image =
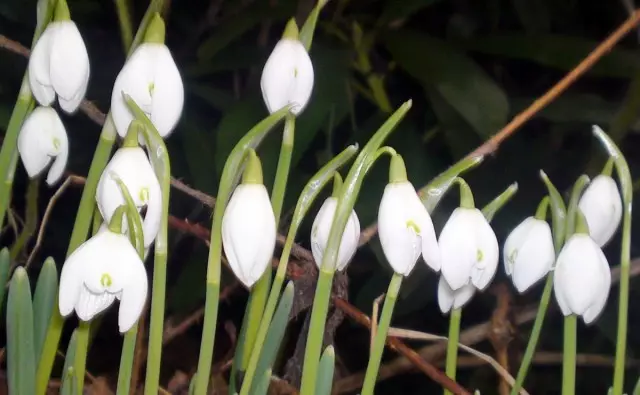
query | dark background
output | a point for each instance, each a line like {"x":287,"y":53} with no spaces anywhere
{"x":469,"y":67}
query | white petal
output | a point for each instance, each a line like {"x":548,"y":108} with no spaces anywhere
{"x":488,"y":253}
{"x":137,"y":80}
{"x":71,"y":282}
{"x":320,"y":234}
{"x":249,"y":232}
{"x":398,"y":227}
{"x":601,"y":295}
{"x":287,"y":77}
{"x":579,"y":273}
{"x":69,"y":63}
{"x":72,"y":104}
{"x":458,"y":248}
{"x":89,"y":304}
{"x":42,"y":138}
{"x":429,"y":241}
{"x":134,"y":297}
{"x":514,"y":241}
{"x":132,"y":166}
{"x":448,"y":298}
{"x":39,"y":77}
{"x":168,"y":92}
{"x":534,"y":257}
{"x":601,"y":205}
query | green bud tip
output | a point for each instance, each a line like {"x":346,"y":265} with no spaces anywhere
{"x":608,"y":168}
{"x":155,"y":31}
{"x":581,"y":223}
{"x":115,"y":225}
{"x":541,"y":211}
{"x":466,"y":196}
{"x":131,"y":139}
{"x":253,"y":170}
{"x":291,"y":31}
{"x":61,"y":12}
{"x":397,"y":169}
{"x":337,"y":185}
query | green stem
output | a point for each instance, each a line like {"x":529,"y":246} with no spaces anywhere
{"x":569,"y":355}
{"x":126,"y":27}
{"x":9,"y":151}
{"x":316,"y":331}
{"x":452,"y":345}
{"x":381,"y":334}
{"x":126,"y":361}
{"x":284,"y":164}
{"x":31,"y":222}
{"x":80,"y":360}
{"x":534,"y":336}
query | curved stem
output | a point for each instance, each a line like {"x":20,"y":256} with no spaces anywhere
{"x":381,"y":334}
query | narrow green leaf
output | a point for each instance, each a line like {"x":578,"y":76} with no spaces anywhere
{"x":558,"y":212}
{"x":324,"y":383}
{"x":21,"y":361}
{"x":439,"y":186}
{"x":274,"y":336}
{"x":5,"y":265}
{"x":44,"y":302}
{"x":68,"y":380}
{"x":309,"y":27}
{"x":262,"y":385}
{"x":490,"y":210}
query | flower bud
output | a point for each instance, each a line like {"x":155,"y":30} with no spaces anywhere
{"x":449,"y":299}
{"x":320,"y":234}
{"x":602,"y":207}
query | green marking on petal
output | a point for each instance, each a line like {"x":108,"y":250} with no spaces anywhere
{"x":412,"y":225}
{"x":56,"y":143}
{"x":479,"y":255}
{"x":144,"y":194}
{"x":295,"y":72}
{"x":151,"y":87}
{"x":105,"y":280}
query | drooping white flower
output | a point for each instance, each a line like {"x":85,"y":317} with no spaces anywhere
{"x":582,"y":278}
{"x":59,"y":63}
{"x":106,"y":267}
{"x":469,"y":249}
{"x":43,"y":139}
{"x":601,"y":205}
{"x":405,"y":229}
{"x":249,"y":226}
{"x":152,"y":79}
{"x":287,"y":77}
{"x":322,"y":227}
{"x":448,"y":298}
{"x":131,"y":165}
{"x":529,"y":253}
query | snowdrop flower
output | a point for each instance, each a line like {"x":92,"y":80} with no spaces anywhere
{"x":404,"y":225}
{"x":449,"y":299}
{"x":42,"y":140}
{"x":249,"y":226}
{"x":104,"y":268}
{"x":150,"y":76}
{"x":59,"y":63}
{"x":322,"y":227}
{"x":468,"y":246}
{"x":582,"y":277}
{"x":528,"y":253}
{"x":131,"y":165}
{"x":601,"y":205}
{"x":287,"y":77}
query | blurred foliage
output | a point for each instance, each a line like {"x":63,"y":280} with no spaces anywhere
{"x":469,"y":66}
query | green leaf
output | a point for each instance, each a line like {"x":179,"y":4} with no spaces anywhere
{"x":558,"y":212}
{"x":533,"y":14}
{"x":21,"y":361}
{"x":68,"y":380}
{"x":558,"y":51}
{"x":262,"y":385}
{"x":324,"y":381}
{"x":5,"y":265}
{"x":460,"y":81}
{"x":44,"y":302}
{"x":274,"y":335}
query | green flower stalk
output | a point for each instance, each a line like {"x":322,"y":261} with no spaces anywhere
{"x":305,"y":201}
{"x":83,"y":222}
{"x":351,"y":188}
{"x":230,"y":176}
{"x":558,"y":218}
{"x":626,"y":183}
{"x":24,"y":105}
